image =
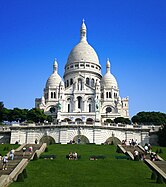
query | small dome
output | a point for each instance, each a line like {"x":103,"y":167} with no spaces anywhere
{"x":109,"y":81}
{"x":83,"y":52}
{"x":53,"y":81}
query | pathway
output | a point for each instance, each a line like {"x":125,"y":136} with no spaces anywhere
{"x":16,"y":166}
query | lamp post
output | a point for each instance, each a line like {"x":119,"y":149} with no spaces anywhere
{"x":79,"y":139}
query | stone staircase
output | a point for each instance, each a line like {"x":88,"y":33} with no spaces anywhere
{"x":159,"y":167}
{"x":16,"y":166}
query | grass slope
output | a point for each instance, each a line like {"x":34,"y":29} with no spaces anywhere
{"x":5,"y":148}
{"x":85,"y":173}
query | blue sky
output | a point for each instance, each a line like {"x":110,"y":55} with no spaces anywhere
{"x":131,"y":33}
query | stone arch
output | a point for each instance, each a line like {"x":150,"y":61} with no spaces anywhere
{"x":66,"y":119}
{"x":81,"y":139}
{"x":109,"y":106}
{"x":113,"y":140}
{"x":47,"y":139}
{"x":78,"y":120}
{"x":89,"y":120}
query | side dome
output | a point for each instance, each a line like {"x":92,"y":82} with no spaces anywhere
{"x":54,"y":80}
{"x":109,"y":80}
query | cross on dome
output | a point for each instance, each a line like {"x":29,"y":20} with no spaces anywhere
{"x":55,"y":66}
{"x":108,"y":65}
{"x":83,"y":32}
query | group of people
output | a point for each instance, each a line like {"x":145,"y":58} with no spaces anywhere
{"x":73,"y":156}
{"x":133,"y":142}
{"x":153,"y":156}
{"x":30,"y":150}
{"x":138,"y":155}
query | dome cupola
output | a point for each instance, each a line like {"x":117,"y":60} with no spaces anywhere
{"x":83,"y":57}
{"x":83,"y":51}
{"x":108,"y":79}
{"x":54,"y":80}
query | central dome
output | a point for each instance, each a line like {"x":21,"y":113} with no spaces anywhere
{"x":83,"y":52}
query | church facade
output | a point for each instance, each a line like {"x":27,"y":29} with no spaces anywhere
{"x":80,"y":103}
{"x":83,"y":95}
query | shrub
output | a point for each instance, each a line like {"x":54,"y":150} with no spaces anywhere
{"x":160,"y":151}
{"x":35,"y":157}
{"x":153,"y":175}
{"x":118,"y":150}
{"x":160,"y":179}
{"x":25,"y":173}
{"x":20,"y":178}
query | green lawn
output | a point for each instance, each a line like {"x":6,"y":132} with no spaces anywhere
{"x":84,"y":172}
{"x":5,"y":148}
{"x":161,"y":151}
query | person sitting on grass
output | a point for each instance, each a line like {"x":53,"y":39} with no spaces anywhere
{"x":75,"y":156}
{"x":93,"y":158}
{"x":70,"y":156}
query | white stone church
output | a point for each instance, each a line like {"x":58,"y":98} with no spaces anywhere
{"x":84,"y":94}
{"x":80,"y":103}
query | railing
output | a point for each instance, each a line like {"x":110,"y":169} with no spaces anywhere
{"x":70,"y":123}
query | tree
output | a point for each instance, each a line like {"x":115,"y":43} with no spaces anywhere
{"x":122,"y":120}
{"x":49,"y":119}
{"x":109,"y":121}
{"x":1,"y":111}
{"x":162,"y":136}
{"x":149,"y":118}
{"x":36,"y":115}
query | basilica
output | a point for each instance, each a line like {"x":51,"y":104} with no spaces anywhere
{"x":83,"y":95}
{"x":82,"y":104}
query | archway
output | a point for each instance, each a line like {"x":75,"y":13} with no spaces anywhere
{"x":78,"y":120}
{"x":47,"y":139}
{"x":67,"y":120}
{"x":81,"y":139}
{"x":89,"y":121}
{"x":113,"y":140}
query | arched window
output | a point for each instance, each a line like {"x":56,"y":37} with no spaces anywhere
{"x":109,"y":94}
{"x":106,"y":94}
{"x":79,"y":84}
{"x":87,"y":80}
{"x":54,"y":95}
{"x":90,"y":108}
{"x":67,"y":83}
{"x":71,"y":81}
{"x":51,"y":94}
{"x":92,"y":82}
{"x":68,"y":108}
{"x":108,"y":109}
{"x":79,"y":102}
